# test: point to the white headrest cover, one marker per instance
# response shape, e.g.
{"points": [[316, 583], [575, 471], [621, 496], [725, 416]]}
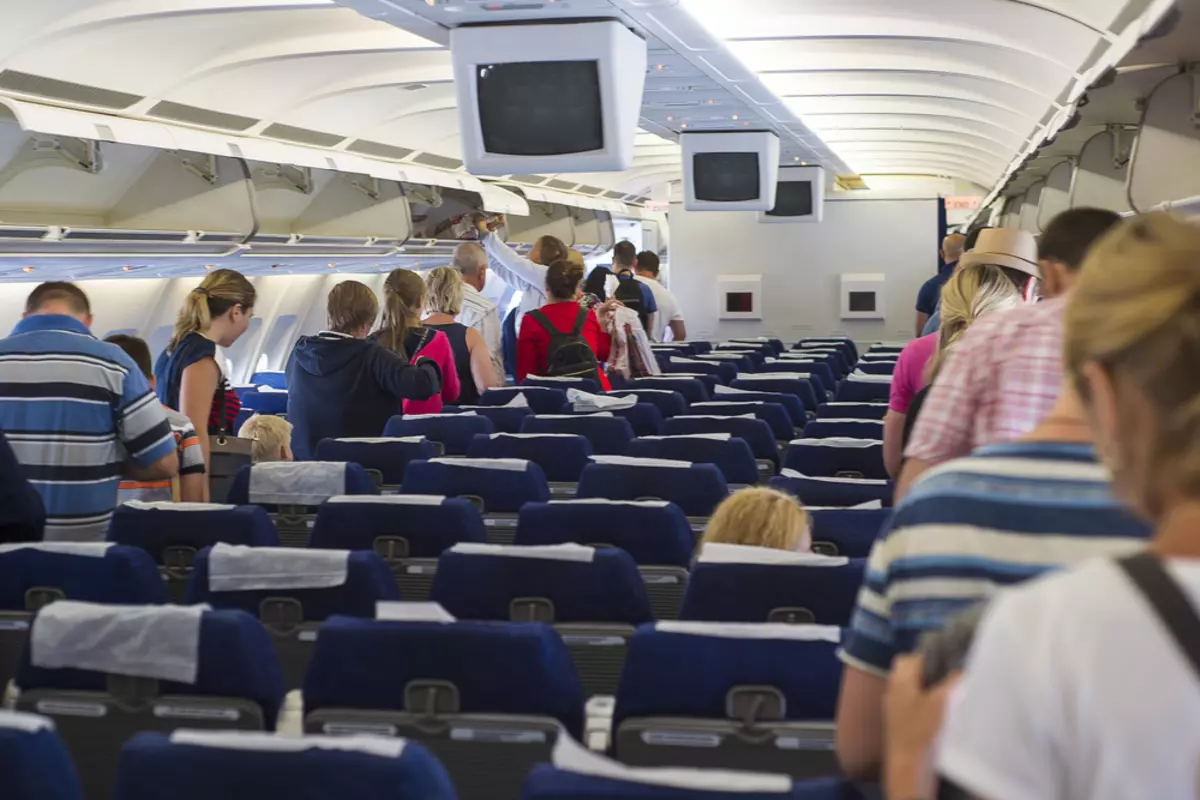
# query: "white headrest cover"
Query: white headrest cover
{"points": [[23, 721], [629, 461], [395, 611], [550, 552], [384, 747], [236, 568], [791, 473], [505, 464], [89, 549], [305, 483], [389, 499], [142, 505], [717, 553], [753, 630]]}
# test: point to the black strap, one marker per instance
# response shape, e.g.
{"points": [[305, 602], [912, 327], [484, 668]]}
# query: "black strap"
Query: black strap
{"points": [[545, 322], [1169, 602], [580, 321]]}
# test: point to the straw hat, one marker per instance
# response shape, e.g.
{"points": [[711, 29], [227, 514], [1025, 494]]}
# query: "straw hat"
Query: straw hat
{"points": [[1005, 247]]}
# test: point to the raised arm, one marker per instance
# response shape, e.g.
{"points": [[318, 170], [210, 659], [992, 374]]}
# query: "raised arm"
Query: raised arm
{"points": [[514, 268]]}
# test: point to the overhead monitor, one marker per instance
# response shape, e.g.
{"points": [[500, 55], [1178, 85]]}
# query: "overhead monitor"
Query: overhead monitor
{"points": [[729, 171], [799, 197], [548, 98]]}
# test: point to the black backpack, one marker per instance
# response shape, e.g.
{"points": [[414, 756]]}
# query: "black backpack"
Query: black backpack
{"points": [[629, 292], [569, 354]]}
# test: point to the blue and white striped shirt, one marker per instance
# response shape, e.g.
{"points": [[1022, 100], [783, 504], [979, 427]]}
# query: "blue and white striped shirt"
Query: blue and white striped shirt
{"points": [[1004, 514], [75, 409]]}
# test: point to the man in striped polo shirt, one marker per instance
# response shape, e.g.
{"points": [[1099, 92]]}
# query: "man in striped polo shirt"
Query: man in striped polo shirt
{"points": [[1004, 514], [78, 413]]}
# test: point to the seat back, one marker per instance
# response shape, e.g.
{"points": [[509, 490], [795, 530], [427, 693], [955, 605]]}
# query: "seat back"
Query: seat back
{"points": [[680, 365], [292, 491], [732, 456], [740, 361], [497, 485], [775, 366], [34, 761], [833, 492], [849, 532], [541, 399], [643, 418], [653, 532], [736, 583], [160, 668], [265, 401], [589, 385], [757, 355], [607, 434], [274, 378], [668, 402], [863, 390], [505, 419], [201, 765], [696, 488], [817, 365], [837, 457], [754, 432], [618, 782], [772, 344], [453, 431], [759, 697], [774, 414], [562, 456], [844, 428], [852, 411], [790, 402], [783, 383], [487, 699], [692, 390], [386, 456], [876, 367]]}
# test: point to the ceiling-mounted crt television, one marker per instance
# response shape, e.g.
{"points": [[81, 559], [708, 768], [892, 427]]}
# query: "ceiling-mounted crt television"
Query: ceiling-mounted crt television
{"points": [[799, 196], [729, 171], [548, 98]]}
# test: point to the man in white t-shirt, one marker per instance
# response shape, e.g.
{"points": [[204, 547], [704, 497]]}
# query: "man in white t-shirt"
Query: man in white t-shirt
{"points": [[669, 317]]}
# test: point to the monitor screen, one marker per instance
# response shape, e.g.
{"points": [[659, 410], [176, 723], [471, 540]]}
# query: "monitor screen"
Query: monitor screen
{"points": [[726, 177], [863, 302], [793, 199], [739, 302], [540, 108]]}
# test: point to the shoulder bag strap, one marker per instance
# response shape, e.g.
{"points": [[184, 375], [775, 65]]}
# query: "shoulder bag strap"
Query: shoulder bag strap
{"points": [[545, 322], [580, 321], [1169, 602]]}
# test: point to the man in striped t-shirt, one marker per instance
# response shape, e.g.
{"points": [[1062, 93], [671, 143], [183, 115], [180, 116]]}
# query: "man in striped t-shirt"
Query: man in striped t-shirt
{"points": [[78, 413], [1004, 514]]}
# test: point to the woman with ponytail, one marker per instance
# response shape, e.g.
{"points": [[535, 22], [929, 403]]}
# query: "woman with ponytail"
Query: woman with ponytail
{"points": [[403, 334], [189, 378]]}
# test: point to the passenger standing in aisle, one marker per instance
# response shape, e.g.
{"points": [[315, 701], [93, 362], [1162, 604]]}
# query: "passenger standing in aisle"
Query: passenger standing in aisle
{"points": [[471, 358], [927, 297], [344, 385], [667, 324], [526, 275], [78, 414], [189, 378], [477, 311], [403, 334], [625, 287], [22, 512], [560, 317]]}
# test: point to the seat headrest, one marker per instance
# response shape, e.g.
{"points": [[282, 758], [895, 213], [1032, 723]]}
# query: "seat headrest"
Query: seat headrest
{"points": [[99, 572], [240, 569], [719, 553], [305, 483], [554, 552], [649, 463]]}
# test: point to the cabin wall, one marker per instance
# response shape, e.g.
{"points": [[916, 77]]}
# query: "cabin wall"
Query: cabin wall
{"points": [[800, 264]]}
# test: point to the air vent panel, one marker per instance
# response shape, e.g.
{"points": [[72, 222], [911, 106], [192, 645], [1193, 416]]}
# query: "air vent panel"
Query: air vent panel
{"points": [[40, 86], [441, 162], [379, 150], [192, 115], [290, 133]]}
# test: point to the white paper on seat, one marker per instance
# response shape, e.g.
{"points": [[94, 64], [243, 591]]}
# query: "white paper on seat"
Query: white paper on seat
{"points": [[720, 357], [630, 461], [716, 416], [791, 473], [857, 421], [718, 437], [548, 552], [506, 464], [674, 377], [584, 400], [775, 376], [717, 553], [862, 377], [532, 435], [607, 414], [385, 440], [683, 360], [870, 505], [382, 746], [554, 379], [750, 339], [89, 549], [160, 642], [720, 390], [753, 630], [519, 401], [237, 568], [636, 392], [440, 416], [389, 499], [600, 501], [142, 505], [25, 722], [837, 441], [397, 611], [571, 756], [303, 483]]}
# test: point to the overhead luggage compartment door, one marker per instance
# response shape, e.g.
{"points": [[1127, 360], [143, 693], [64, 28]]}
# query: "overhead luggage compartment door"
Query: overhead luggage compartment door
{"points": [[1101, 173], [1168, 144]]}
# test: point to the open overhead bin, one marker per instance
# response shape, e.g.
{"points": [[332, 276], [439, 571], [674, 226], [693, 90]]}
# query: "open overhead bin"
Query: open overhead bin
{"points": [[1168, 144], [1102, 170], [593, 231]]}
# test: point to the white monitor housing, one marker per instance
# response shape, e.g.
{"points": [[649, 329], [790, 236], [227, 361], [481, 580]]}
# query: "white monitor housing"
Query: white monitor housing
{"points": [[799, 196], [862, 295], [739, 297], [730, 171], [548, 98]]}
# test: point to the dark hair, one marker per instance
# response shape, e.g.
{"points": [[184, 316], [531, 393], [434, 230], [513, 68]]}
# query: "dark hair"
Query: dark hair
{"points": [[58, 291], [624, 255], [647, 261], [562, 279], [973, 237], [351, 305], [1070, 235], [596, 281], [135, 348]]}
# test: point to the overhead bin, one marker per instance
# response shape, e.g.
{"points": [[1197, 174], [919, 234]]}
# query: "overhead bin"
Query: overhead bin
{"points": [[593, 230], [543, 219], [1168, 144], [1101, 172], [1056, 194], [1029, 207]]}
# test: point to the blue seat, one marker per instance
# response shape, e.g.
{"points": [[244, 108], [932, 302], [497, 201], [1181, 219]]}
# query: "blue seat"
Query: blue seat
{"points": [[644, 418], [852, 411], [608, 435], [861, 391], [589, 385], [774, 414], [678, 348], [876, 367], [777, 592], [501, 485], [845, 343], [234, 683], [700, 347], [783, 384], [297, 483], [388, 457], [265, 402], [790, 402], [832, 492], [37, 573], [833, 458], [34, 761], [754, 432], [696, 488], [453, 431], [687, 679], [561, 456], [654, 533], [844, 428], [806, 371], [772, 344], [678, 364], [505, 419], [512, 685], [742, 363], [275, 378], [240, 389], [849, 532], [669, 403], [732, 456], [693, 390], [547, 782], [290, 591], [205, 766], [817, 366], [542, 399], [842, 357], [756, 345], [757, 355]]}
